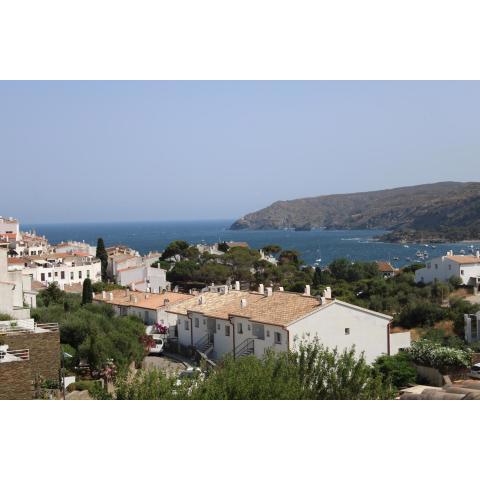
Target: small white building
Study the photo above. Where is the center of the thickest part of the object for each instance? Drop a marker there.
(244, 323)
(466, 267)
(151, 308)
(472, 327)
(9, 227)
(16, 293)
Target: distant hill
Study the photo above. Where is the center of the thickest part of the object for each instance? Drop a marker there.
(435, 212)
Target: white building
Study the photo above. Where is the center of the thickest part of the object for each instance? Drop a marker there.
(9, 228)
(73, 247)
(245, 323)
(472, 327)
(63, 268)
(466, 267)
(16, 294)
(151, 308)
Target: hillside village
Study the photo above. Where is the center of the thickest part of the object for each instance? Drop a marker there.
(78, 320)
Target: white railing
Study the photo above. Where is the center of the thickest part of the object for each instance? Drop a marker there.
(23, 353)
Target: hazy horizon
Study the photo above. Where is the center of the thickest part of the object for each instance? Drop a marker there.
(92, 152)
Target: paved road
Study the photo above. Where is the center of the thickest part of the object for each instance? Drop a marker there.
(167, 364)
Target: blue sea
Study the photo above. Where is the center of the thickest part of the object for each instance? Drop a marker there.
(321, 246)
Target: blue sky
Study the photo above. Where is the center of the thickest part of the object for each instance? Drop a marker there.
(113, 151)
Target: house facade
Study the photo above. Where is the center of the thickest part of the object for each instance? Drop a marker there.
(440, 269)
(243, 323)
(62, 268)
(151, 308)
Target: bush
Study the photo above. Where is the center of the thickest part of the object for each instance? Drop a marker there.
(398, 368)
(84, 385)
(446, 359)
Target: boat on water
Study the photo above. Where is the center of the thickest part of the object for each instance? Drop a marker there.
(462, 251)
(396, 258)
(406, 246)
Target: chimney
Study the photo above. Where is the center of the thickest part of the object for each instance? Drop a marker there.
(449, 253)
(133, 287)
(146, 296)
(269, 291)
(126, 292)
(237, 285)
(477, 254)
(243, 303)
(135, 300)
(307, 290)
(280, 289)
(166, 301)
(93, 295)
(327, 293)
(261, 289)
(201, 300)
(110, 296)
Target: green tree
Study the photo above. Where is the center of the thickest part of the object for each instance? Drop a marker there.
(103, 256)
(398, 368)
(177, 247)
(87, 291)
(52, 294)
(223, 247)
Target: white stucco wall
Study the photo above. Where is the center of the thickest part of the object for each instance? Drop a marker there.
(368, 331)
(442, 268)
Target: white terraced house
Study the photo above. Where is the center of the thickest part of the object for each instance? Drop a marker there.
(63, 268)
(440, 269)
(244, 323)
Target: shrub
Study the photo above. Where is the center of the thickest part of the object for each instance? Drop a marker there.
(84, 385)
(398, 368)
(446, 359)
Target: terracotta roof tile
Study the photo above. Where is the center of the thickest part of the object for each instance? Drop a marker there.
(152, 302)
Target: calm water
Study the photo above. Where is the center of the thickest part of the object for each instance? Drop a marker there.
(313, 245)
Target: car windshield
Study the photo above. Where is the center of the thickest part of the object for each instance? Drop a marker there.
(476, 368)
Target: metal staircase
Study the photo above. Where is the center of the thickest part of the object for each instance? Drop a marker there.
(205, 344)
(247, 347)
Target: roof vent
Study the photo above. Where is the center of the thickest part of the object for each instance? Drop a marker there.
(261, 289)
(104, 294)
(201, 300)
(307, 290)
(243, 303)
(269, 291)
(237, 285)
(327, 293)
(166, 301)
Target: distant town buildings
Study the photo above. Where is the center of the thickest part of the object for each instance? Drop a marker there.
(465, 267)
(386, 269)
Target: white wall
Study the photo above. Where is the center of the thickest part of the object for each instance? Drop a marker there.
(442, 268)
(399, 340)
(368, 332)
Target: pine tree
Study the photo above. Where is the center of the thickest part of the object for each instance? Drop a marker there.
(87, 291)
(103, 256)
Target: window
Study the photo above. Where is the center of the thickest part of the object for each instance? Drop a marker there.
(80, 274)
(49, 274)
(71, 275)
(462, 272)
(187, 325)
(42, 276)
(347, 331)
(197, 323)
(429, 265)
(268, 333)
(239, 327)
(88, 273)
(56, 274)
(436, 266)
(204, 322)
(227, 330)
(218, 327)
(449, 267)
(62, 275)
(249, 327)
(278, 338)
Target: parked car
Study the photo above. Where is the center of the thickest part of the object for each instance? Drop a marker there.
(475, 371)
(159, 344)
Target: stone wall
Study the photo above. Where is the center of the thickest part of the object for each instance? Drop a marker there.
(44, 352)
(16, 380)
